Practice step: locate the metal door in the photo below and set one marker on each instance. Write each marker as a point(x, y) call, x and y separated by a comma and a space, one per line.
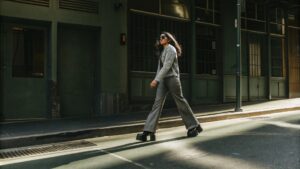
point(24, 81)
point(77, 53)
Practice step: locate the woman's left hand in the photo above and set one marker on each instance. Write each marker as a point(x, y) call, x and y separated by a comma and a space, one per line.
point(153, 84)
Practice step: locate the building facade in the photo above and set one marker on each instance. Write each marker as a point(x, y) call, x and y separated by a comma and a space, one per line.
point(88, 58)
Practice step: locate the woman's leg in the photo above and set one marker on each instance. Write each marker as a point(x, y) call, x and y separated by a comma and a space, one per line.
point(183, 107)
point(153, 117)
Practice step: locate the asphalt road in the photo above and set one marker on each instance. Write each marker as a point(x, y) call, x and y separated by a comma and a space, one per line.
point(262, 142)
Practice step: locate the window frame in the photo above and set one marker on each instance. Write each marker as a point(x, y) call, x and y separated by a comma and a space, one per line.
point(44, 30)
point(183, 62)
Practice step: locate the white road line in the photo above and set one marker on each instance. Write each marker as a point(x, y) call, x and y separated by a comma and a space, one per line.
point(122, 158)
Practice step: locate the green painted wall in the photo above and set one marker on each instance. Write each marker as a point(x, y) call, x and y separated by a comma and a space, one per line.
point(111, 68)
point(228, 10)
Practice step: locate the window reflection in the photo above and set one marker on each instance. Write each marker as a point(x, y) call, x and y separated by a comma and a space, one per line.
point(277, 21)
point(294, 17)
point(277, 56)
point(28, 52)
point(208, 11)
point(175, 8)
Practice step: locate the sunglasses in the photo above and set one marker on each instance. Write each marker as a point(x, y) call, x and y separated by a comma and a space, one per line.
point(163, 36)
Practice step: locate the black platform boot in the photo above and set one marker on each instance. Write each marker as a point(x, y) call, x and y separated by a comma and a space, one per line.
point(143, 136)
point(194, 131)
point(199, 129)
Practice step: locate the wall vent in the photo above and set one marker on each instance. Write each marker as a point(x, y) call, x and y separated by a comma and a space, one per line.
point(80, 5)
point(32, 2)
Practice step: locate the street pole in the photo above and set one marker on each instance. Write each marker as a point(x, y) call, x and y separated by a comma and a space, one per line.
point(238, 58)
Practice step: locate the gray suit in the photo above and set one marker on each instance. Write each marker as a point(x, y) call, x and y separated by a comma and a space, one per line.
point(168, 77)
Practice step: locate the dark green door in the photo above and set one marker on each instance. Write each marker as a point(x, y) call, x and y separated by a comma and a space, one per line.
point(77, 53)
point(24, 53)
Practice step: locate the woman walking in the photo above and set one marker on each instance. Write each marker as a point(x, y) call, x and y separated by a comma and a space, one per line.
point(167, 80)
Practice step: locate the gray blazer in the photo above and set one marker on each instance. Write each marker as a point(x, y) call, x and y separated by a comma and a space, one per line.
point(170, 64)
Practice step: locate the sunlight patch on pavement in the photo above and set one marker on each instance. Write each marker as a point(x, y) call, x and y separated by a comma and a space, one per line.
point(108, 160)
point(283, 124)
point(185, 153)
point(171, 141)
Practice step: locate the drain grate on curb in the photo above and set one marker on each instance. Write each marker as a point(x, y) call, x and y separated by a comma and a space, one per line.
point(260, 118)
point(27, 151)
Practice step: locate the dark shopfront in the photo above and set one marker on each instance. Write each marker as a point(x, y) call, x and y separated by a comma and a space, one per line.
point(42, 53)
point(270, 48)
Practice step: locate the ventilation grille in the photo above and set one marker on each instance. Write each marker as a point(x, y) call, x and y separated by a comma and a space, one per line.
point(26, 151)
point(80, 5)
point(33, 2)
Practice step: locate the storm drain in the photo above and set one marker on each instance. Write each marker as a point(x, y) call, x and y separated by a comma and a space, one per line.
point(259, 118)
point(27, 151)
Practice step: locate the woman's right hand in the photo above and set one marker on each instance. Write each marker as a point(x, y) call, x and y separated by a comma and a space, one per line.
point(153, 84)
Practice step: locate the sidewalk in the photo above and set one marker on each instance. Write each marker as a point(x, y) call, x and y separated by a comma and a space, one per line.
point(48, 131)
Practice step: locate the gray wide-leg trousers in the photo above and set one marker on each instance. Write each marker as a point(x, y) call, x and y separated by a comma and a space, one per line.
point(170, 85)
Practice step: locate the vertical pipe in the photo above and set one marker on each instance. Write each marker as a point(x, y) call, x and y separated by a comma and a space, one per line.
point(238, 58)
point(192, 59)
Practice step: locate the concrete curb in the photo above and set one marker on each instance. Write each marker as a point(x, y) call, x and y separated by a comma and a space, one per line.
point(122, 129)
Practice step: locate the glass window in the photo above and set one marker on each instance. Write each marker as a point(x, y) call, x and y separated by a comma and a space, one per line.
point(277, 21)
point(277, 28)
point(217, 5)
point(207, 11)
point(277, 56)
point(256, 25)
point(276, 15)
point(201, 3)
point(206, 46)
point(261, 15)
point(254, 17)
point(175, 8)
point(181, 31)
point(255, 50)
point(142, 38)
point(251, 10)
point(294, 18)
point(144, 31)
point(144, 5)
point(28, 52)
point(204, 16)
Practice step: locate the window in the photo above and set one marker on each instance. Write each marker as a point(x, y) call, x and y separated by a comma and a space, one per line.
point(142, 38)
point(254, 17)
point(181, 33)
point(206, 50)
point(208, 11)
point(277, 21)
point(144, 5)
point(277, 56)
point(144, 31)
point(255, 55)
point(255, 59)
point(28, 52)
point(294, 18)
point(175, 8)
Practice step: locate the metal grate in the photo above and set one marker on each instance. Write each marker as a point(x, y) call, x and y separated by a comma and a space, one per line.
point(259, 118)
point(33, 2)
point(26, 151)
point(80, 5)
